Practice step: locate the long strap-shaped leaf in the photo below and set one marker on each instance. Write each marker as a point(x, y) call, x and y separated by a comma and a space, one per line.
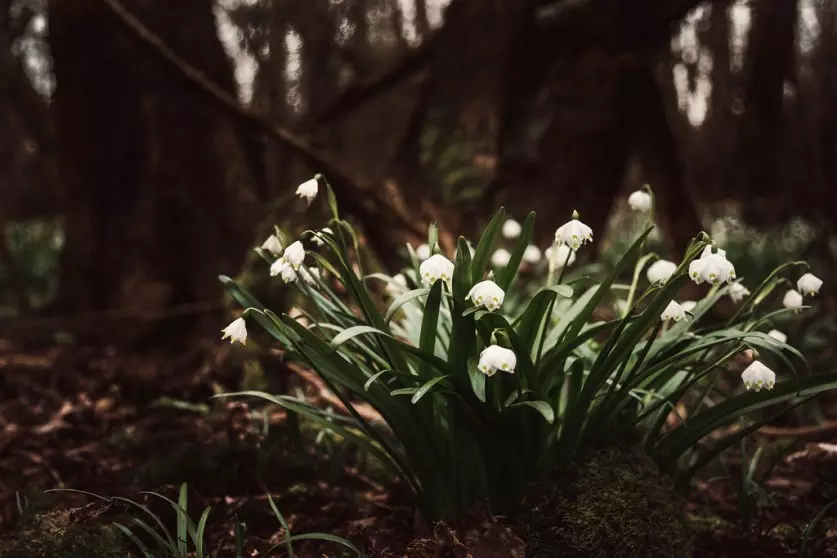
point(507, 274)
point(482, 254)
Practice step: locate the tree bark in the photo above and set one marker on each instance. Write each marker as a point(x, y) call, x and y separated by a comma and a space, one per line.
point(157, 185)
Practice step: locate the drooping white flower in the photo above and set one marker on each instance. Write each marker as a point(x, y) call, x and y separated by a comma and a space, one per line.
point(673, 312)
point(285, 269)
point(434, 268)
point(532, 254)
point(757, 376)
point(511, 229)
point(308, 190)
point(661, 271)
point(272, 245)
point(809, 284)
point(500, 258)
point(737, 292)
point(574, 233)
point(778, 335)
point(640, 201)
point(294, 254)
point(316, 238)
point(399, 287)
point(688, 305)
point(496, 358)
point(423, 252)
point(712, 268)
point(792, 299)
point(557, 255)
point(236, 331)
point(487, 294)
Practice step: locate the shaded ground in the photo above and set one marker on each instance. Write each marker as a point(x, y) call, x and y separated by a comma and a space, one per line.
point(94, 420)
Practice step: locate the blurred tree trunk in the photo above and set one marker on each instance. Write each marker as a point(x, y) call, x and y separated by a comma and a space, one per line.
point(157, 185)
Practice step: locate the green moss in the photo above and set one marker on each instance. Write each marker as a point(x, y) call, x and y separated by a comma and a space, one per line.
point(614, 503)
point(52, 535)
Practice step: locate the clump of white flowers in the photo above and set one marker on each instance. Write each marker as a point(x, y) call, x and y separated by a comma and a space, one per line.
point(574, 233)
point(792, 299)
point(737, 292)
point(809, 284)
point(778, 335)
point(500, 257)
point(317, 239)
point(434, 268)
point(757, 376)
point(714, 268)
point(532, 254)
point(285, 269)
point(488, 294)
point(423, 252)
point(494, 358)
point(673, 312)
point(558, 254)
point(308, 190)
point(272, 245)
point(511, 229)
point(661, 271)
point(236, 331)
point(640, 201)
point(294, 255)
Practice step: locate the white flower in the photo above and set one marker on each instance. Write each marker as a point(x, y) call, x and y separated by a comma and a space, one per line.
point(640, 201)
point(308, 190)
point(399, 287)
point(511, 229)
point(557, 255)
point(688, 305)
point(272, 245)
point(423, 252)
point(434, 268)
point(757, 376)
point(809, 284)
point(496, 358)
point(488, 294)
point(661, 271)
point(673, 312)
point(316, 238)
point(500, 258)
point(712, 268)
point(737, 292)
point(574, 233)
point(532, 254)
point(310, 276)
point(792, 299)
point(778, 335)
point(236, 331)
point(294, 254)
point(283, 268)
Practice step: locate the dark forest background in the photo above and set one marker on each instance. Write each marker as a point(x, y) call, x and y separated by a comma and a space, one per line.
point(146, 145)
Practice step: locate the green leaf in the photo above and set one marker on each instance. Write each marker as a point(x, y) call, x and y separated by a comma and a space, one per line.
point(200, 531)
point(507, 274)
point(348, 334)
point(477, 379)
point(332, 199)
point(404, 299)
point(404, 391)
point(482, 254)
point(429, 325)
point(422, 391)
point(284, 524)
point(540, 406)
point(182, 518)
point(462, 282)
point(432, 235)
point(134, 539)
point(317, 537)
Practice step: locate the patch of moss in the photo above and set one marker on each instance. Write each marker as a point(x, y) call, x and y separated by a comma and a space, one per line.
point(53, 535)
point(615, 503)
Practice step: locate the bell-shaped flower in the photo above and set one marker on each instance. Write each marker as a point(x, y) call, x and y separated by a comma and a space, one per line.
point(574, 233)
point(236, 331)
point(673, 312)
point(712, 268)
point(423, 252)
point(500, 258)
point(640, 201)
point(316, 239)
point(532, 254)
point(496, 358)
point(557, 255)
point(283, 268)
point(487, 294)
point(757, 377)
point(434, 268)
point(661, 271)
point(809, 284)
point(294, 254)
point(399, 286)
point(778, 335)
point(272, 245)
point(737, 292)
point(688, 305)
point(792, 299)
point(308, 190)
point(511, 229)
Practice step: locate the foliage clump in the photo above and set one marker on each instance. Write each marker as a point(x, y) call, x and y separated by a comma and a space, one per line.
point(54, 535)
point(613, 503)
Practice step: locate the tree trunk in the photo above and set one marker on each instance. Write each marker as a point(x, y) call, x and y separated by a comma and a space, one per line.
point(157, 185)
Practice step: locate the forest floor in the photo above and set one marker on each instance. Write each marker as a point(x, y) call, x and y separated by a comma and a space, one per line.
point(116, 425)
